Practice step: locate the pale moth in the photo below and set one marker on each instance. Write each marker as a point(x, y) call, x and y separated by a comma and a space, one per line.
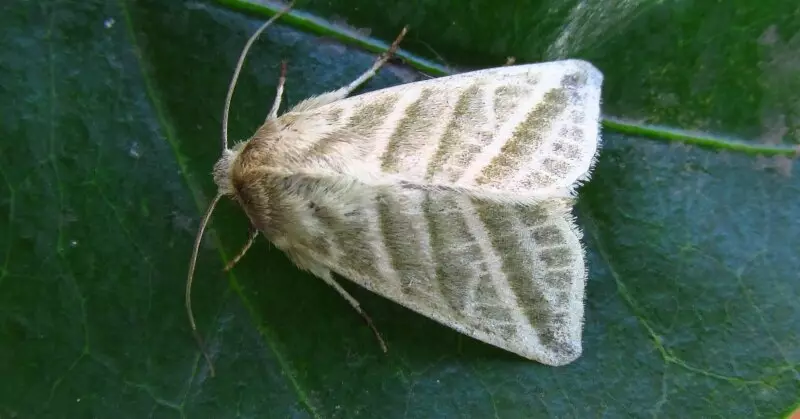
point(450, 196)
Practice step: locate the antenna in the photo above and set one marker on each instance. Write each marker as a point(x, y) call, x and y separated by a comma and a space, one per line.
point(239, 65)
point(192, 263)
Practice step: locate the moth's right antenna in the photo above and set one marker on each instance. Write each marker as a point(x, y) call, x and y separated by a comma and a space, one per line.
point(239, 68)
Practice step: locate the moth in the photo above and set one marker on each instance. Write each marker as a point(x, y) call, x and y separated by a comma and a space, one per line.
point(451, 196)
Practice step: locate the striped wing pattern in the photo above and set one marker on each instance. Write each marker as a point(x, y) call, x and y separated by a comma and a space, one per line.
point(512, 130)
point(510, 273)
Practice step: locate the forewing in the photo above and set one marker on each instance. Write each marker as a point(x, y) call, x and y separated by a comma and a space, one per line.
point(515, 129)
point(509, 275)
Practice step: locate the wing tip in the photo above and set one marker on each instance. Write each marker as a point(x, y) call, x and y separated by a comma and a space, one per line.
point(593, 74)
point(566, 358)
point(562, 354)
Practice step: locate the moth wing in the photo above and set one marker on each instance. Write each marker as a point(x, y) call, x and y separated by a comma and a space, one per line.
point(509, 272)
point(516, 130)
point(510, 275)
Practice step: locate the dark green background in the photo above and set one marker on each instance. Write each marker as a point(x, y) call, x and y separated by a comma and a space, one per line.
point(110, 128)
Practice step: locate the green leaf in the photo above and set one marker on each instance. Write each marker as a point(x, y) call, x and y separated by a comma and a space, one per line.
point(111, 124)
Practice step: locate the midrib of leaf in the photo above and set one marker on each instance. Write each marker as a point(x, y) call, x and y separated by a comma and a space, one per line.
point(310, 23)
point(201, 202)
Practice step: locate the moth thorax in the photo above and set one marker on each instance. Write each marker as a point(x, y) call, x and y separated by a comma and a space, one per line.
point(222, 172)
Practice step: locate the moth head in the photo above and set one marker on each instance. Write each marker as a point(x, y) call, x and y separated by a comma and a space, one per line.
point(223, 167)
point(222, 177)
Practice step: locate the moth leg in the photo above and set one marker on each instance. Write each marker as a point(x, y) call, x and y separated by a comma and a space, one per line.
point(328, 278)
point(273, 113)
point(240, 255)
point(343, 92)
point(379, 62)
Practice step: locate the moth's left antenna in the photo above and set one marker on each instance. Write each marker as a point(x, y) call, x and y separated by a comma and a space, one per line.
point(239, 68)
point(192, 263)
